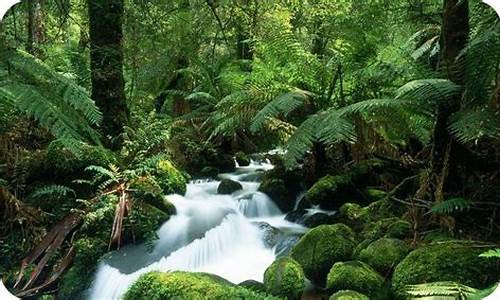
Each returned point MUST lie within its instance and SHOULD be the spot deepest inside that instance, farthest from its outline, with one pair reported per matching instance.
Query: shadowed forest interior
(250, 149)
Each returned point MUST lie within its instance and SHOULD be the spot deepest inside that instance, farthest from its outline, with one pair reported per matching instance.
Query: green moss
(357, 276)
(321, 247)
(228, 186)
(353, 215)
(399, 229)
(384, 254)
(348, 295)
(327, 190)
(380, 209)
(377, 229)
(285, 278)
(171, 180)
(446, 261)
(242, 159)
(209, 172)
(79, 277)
(437, 235)
(188, 286)
(374, 194)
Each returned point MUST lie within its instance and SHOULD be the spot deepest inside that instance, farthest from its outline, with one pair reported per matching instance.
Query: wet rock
(296, 216)
(228, 186)
(271, 234)
(318, 219)
(242, 159)
(209, 172)
(285, 244)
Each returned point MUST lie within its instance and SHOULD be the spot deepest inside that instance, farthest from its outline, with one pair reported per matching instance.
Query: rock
(228, 186)
(171, 180)
(276, 190)
(303, 203)
(348, 295)
(437, 236)
(225, 163)
(353, 215)
(356, 276)
(285, 244)
(373, 194)
(456, 261)
(253, 285)
(209, 172)
(330, 192)
(318, 219)
(321, 247)
(285, 278)
(296, 216)
(381, 209)
(271, 234)
(242, 159)
(377, 229)
(384, 254)
(399, 229)
(183, 285)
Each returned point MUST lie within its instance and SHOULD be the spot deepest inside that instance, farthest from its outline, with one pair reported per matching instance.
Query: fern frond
(441, 290)
(302, 140)
(470, 125)
(493, 253)
(53, 190)
(429, 91)
(449, 206)
(284, 104)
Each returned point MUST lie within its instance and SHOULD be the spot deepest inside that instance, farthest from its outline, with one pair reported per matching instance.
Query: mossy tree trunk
(35, 26)
(106, 63)
(454, 36)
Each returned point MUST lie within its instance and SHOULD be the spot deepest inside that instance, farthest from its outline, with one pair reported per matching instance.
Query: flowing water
(226, 235)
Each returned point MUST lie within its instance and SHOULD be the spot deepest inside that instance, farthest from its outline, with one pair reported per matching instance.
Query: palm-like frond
(429, 91)
(470, 125)
(282, 105)
(493, 253)
(449, 206)
(441, 290)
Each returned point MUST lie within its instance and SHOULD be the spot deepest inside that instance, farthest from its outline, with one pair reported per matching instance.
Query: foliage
(451, 205)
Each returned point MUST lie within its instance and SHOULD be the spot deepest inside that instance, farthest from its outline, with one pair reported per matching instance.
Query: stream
(233, 236)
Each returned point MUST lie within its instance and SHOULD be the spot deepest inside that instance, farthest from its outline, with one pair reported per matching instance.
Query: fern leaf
(493, 253)
(449, 206)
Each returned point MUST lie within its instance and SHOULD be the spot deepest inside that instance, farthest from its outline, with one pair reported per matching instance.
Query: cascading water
(218, 234)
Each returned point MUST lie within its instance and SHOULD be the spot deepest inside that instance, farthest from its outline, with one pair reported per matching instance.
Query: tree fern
(493, 253)
(53, 191)
(54, 100)
(471, 125)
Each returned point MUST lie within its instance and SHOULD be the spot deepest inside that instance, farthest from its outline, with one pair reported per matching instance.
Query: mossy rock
(209, 172)
(384, 254)
(374, 194)
(242, 159)
(282, 185)
(183, 285)
(381, 209)
(353, 215)
(171, 180)
(321, 247)
(253, 285)
(228, 186)
(361, 246)
(225, 163)
(357, 276)
(348, 295)
(437, 236)
(276, 189)
(456, 261)
(400, 229)
(377, 229)
(285, 278)
(331, 192)
(318, 219)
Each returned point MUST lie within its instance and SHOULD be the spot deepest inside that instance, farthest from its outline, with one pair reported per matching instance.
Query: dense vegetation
(387, 111)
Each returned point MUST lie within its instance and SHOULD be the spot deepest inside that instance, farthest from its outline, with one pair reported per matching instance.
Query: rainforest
(250, 149)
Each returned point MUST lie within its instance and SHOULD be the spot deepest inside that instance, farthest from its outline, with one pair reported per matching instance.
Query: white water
(210, 233)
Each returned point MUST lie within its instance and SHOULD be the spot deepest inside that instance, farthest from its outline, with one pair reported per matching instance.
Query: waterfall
(210, 233)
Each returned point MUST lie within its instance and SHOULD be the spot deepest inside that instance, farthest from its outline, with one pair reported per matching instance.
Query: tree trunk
(36, 31)
(454, 35)
(106, 64)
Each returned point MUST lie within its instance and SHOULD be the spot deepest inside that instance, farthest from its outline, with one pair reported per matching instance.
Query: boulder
(356, 276)
(228, 186)
(321, 247)
(384, 254)
(318, 219)
(242, 159)
(183, 285)
(285, 278)
(253, 285)
(209, 172)
(330, 192)
(275, 188)
(456, 261)
(348, 295)
(400, 229)
(353, 215)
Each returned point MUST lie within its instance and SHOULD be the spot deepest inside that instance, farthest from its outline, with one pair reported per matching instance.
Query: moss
(242, 159)
(276, 189)
(332, 191)
(377, 229)
(348, 295)
(253, 285)
(209, 172)
(384, 254)
(357, 276)
(380, 209)
(374, 194)
(285, 278)
(171, 180)
(446, 261)
(361, 246)
(321, 247)
(353, 215)
(228, 186)
(399, 229)
(183, 285)
(79, 277)
(436, 236)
